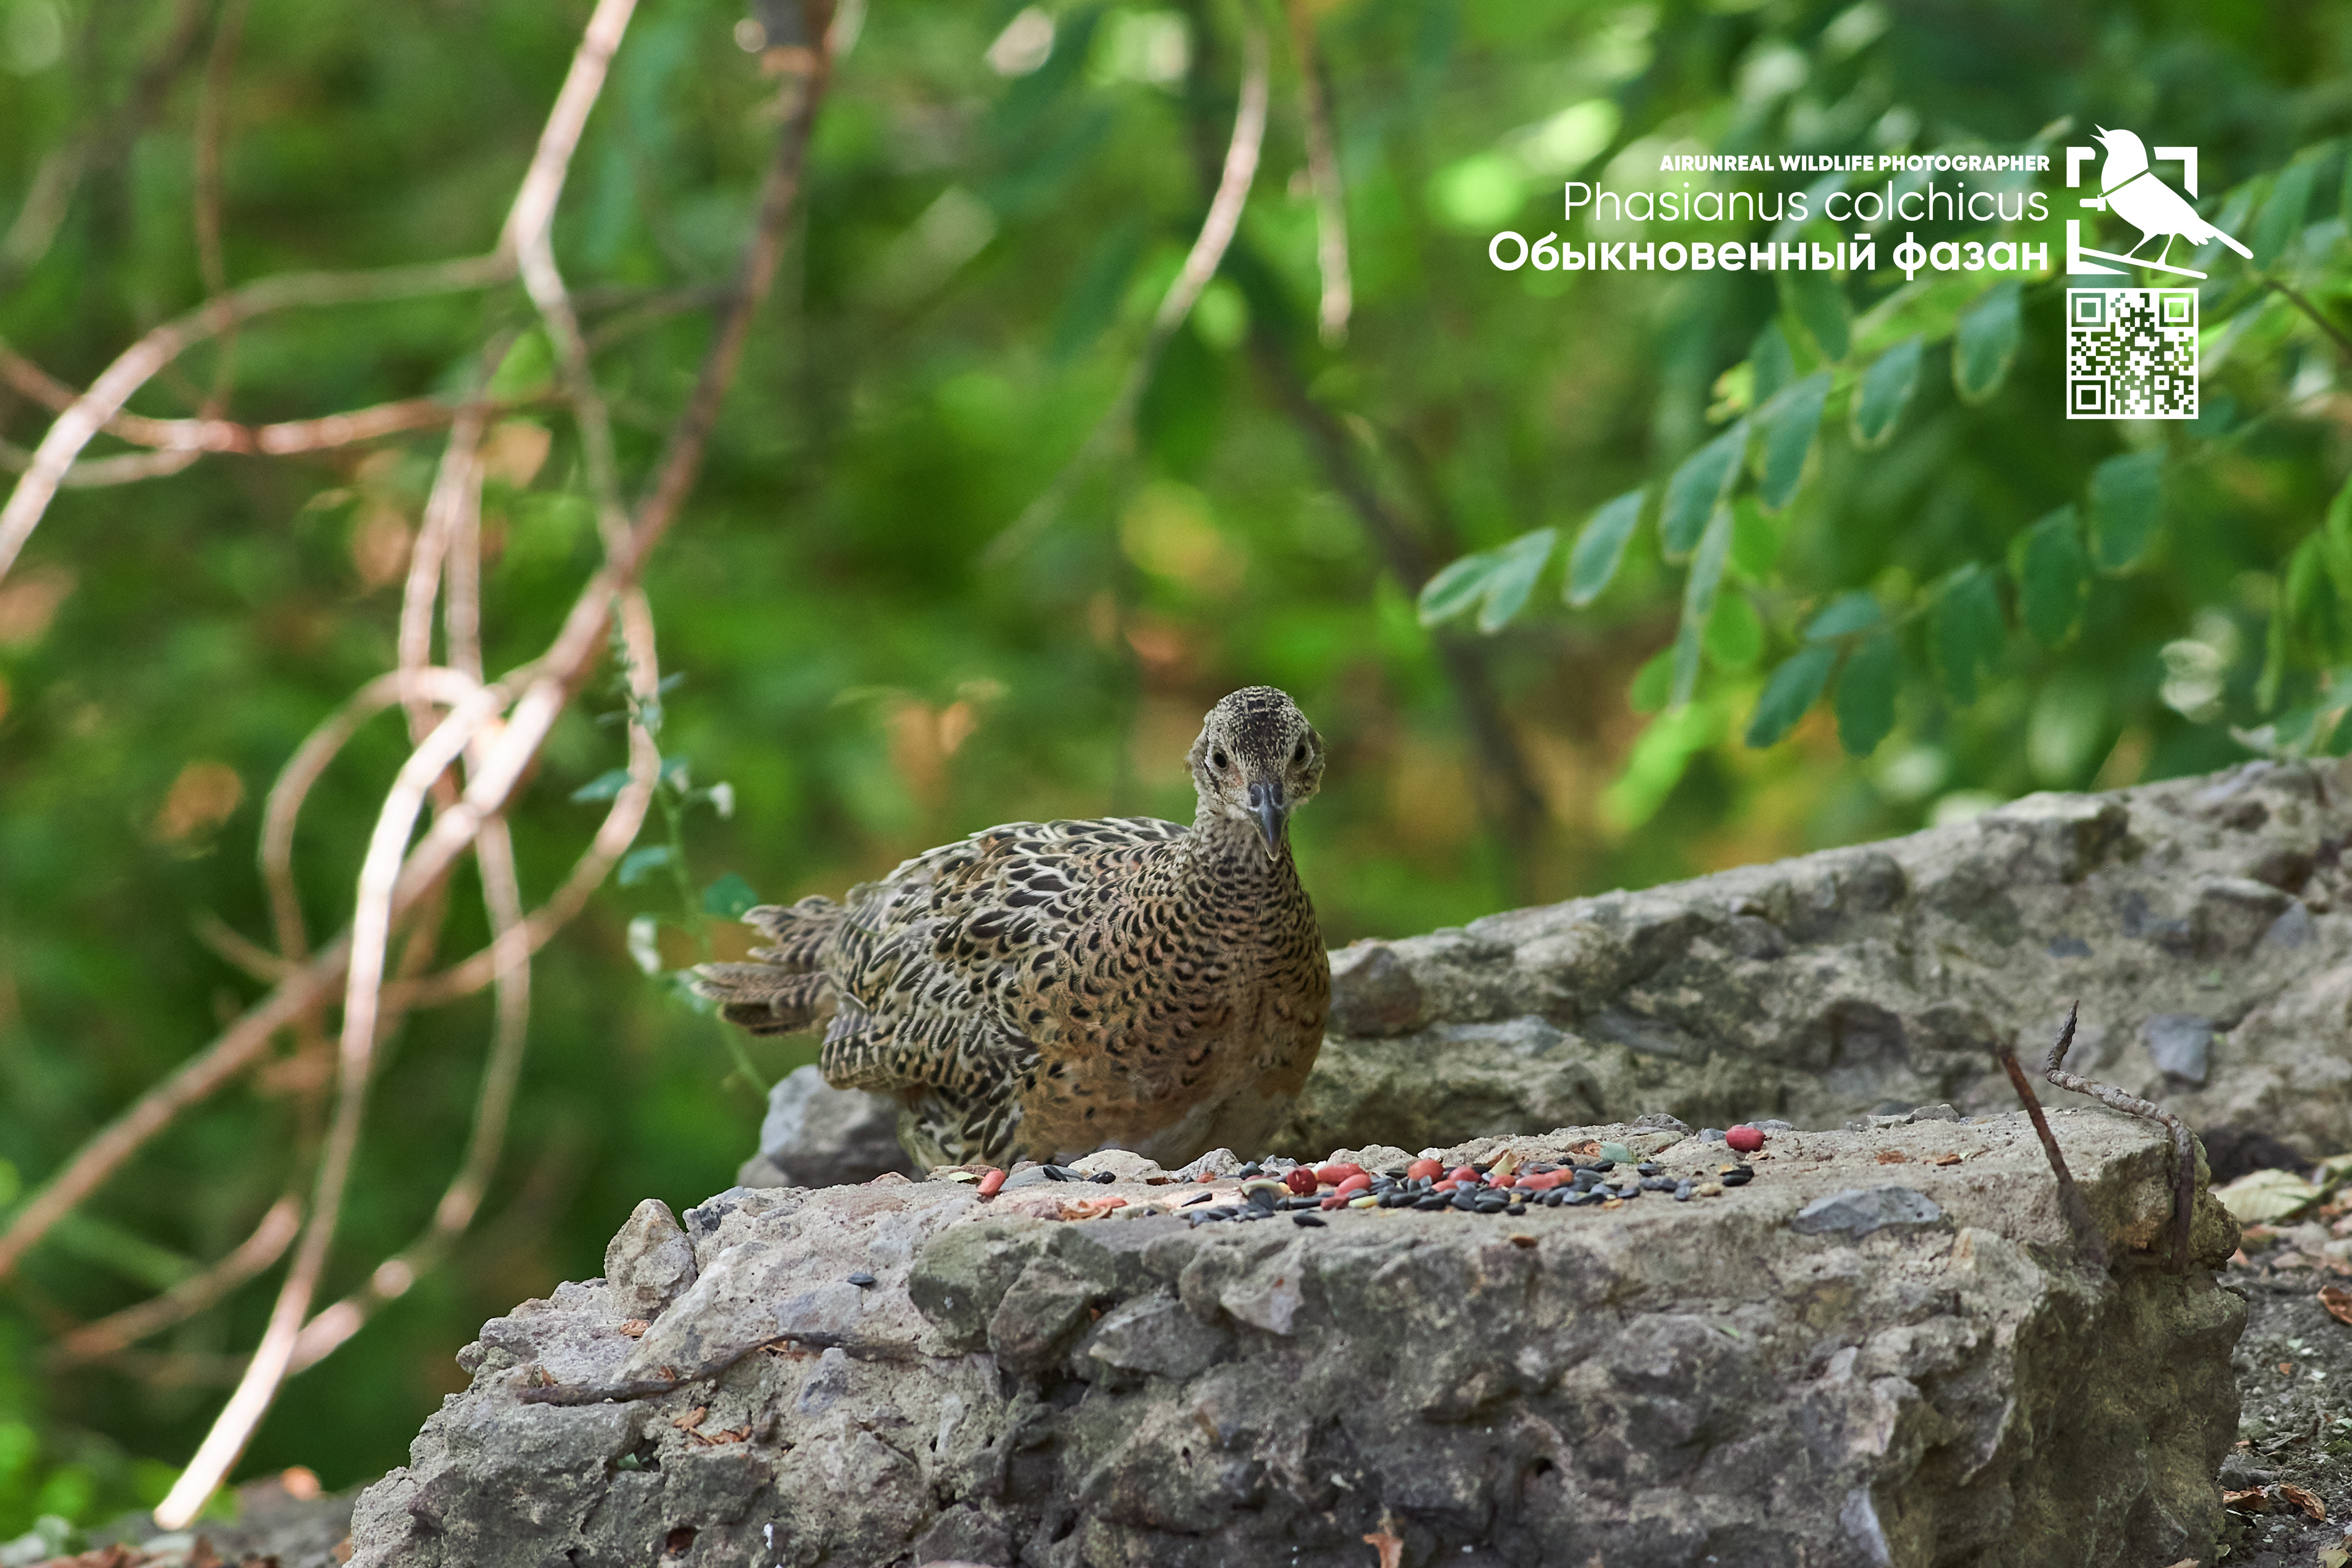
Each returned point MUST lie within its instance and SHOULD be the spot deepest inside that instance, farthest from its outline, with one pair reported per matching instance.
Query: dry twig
(2071, 1201)
(2184, 1147)
(1323, 170)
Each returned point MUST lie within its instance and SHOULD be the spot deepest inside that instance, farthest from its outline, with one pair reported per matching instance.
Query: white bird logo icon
(2131, 190)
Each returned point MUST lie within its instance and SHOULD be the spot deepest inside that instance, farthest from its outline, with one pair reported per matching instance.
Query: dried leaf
(1893, 1157)
(2253, 1500)
(1945, 1160)
(2304, 1498)
(636, 1328)
(692, 1419)
(2339, 1302)
(2286, 1369)
(1389, 1544)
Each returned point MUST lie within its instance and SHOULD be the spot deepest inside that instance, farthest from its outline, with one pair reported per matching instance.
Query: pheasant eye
(1300, 755)
(1217, 758)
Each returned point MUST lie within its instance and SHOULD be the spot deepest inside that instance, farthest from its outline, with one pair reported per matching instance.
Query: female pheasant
(1043, 990)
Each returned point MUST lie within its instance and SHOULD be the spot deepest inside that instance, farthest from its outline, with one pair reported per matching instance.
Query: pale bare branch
(1323, 172)
(137, 364)
(371, 936)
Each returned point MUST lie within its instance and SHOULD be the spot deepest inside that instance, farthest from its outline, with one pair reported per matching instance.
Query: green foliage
(1885, 391)
(1984, 344)
(1600, 547)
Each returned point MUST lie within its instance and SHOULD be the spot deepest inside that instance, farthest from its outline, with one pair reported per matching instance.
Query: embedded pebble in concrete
(1524, 1364)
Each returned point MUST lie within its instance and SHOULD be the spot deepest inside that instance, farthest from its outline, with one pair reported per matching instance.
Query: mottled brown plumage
(1043, 990)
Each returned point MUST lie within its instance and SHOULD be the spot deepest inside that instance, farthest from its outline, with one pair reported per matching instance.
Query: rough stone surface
(816, 1135)
(2202, 922)
(1660, 1383)
(650, 1261)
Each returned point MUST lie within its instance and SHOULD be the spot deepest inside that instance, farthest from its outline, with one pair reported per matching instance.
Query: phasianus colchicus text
(1046, 989)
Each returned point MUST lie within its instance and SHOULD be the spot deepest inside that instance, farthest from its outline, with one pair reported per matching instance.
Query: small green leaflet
(1735, 635)
(1652, 682)
(1789, 693)
(1788, 423)
(1770, 361)
(604, 786)
(1848, 612)
(2053, 576)
(1967, 630)
(1754, 538)
(2282, 215)
(1884, 392)
(728, 897)
(1985, 343)
(1516, 567)
(1457, 585)
(642, 862)
(1819, 304)
(1866, 695)
(1698, 602)
(1695, 488)
(1498, 580)
(1600, 548)
(2126, 495)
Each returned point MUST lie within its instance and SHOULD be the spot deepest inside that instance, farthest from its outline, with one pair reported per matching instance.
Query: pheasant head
(1256, 762)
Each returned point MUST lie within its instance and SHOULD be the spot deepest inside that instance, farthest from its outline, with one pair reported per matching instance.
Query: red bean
(1421, 1168)
(990, 1182)
(1331, 1176)
(1543, 1182)
(1333, 1201)
(1744, 1139)
(1464, 1173)
(1300, 1181)
(1356, 1184)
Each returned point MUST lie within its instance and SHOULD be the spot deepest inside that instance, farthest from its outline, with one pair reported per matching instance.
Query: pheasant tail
(786, 990)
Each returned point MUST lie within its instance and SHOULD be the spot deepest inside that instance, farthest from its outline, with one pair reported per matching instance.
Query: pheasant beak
(1266, 805)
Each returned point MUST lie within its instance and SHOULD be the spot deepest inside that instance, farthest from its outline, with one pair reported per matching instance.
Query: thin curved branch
(1323, 170)
(265, 1247)
(371, 936)
(138, 365)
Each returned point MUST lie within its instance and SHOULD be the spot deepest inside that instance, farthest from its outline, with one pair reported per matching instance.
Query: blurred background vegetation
(999, 197)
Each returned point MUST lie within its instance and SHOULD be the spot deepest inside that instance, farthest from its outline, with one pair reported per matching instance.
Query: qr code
(2131, 353)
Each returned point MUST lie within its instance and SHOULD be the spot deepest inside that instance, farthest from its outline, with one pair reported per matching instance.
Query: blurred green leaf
(1791, 690)
(1818, 303)
(1735, 635)
(1848, 612)
(1600, 547)
(2282, 215)
(1985, 343)
(1455, 587)
(1754, 538)
(1789, 424)
(1698, 600)
(1866, 695)
(728, 897)
(641, 863)
(604, 786)
(1697, 486)
(528, 369)
(2126, 499)
(1652, 683)
(2053, 578)
(1516, 566)
(1771, 365)
(1968, 631)
(1884, 391)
